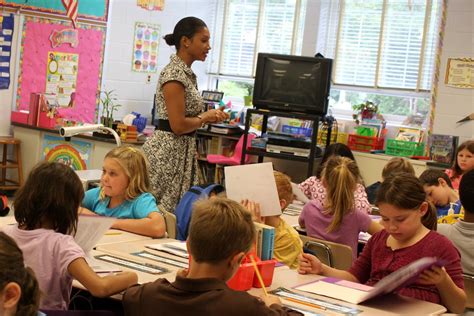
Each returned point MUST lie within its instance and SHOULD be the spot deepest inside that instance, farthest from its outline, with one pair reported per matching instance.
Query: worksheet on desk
(90, 229)
(256, 183)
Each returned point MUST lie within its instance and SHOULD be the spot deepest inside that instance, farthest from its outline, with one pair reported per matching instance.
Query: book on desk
(357, 293)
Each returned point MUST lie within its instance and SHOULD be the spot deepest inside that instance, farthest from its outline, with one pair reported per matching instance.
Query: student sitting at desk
(440, 192)
(46, 212)
(313, 187)
(394, 165)
(337, 218)
(19, 290)
(220, 234)
(288, 245)
(405, 215)
(461, 233)
(123, 193)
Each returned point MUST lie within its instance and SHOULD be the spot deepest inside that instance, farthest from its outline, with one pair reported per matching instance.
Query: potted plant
(108, 101)
(366, 110)
(248, 97)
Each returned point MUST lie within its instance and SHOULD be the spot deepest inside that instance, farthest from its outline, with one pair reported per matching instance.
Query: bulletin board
(90, 9)
(34, 55)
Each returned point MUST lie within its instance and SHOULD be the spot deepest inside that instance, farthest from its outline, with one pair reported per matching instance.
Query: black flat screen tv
(291, 83)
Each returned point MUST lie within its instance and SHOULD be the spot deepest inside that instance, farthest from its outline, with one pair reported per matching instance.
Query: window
(249, 27)
(384, 50)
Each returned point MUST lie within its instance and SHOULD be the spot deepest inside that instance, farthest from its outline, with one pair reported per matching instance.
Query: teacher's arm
(174, 95)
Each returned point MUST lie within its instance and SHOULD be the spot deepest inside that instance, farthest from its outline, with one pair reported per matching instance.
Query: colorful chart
(145, 47)
(73, 153)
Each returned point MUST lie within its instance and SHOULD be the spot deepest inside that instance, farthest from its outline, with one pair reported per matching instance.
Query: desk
(7, 220)
(283, 277)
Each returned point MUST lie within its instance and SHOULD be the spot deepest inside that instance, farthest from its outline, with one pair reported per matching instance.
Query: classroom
(332, 140)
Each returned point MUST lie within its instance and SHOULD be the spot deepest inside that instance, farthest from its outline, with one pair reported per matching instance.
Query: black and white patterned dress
(172, 158)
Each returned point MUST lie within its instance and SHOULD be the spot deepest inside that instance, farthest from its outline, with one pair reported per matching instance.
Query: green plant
(366, 110)
(108, 101)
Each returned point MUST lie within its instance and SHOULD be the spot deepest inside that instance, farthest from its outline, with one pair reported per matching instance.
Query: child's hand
(309, 264)
(254, 209)
(435, 275)
(182, 273)
(270, 299)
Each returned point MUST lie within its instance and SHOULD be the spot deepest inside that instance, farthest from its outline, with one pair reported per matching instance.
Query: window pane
(277, 26)
(239, 37)
(402, 44)
(356, 55)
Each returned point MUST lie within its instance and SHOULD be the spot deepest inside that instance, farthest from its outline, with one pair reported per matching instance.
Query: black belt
(164, 125)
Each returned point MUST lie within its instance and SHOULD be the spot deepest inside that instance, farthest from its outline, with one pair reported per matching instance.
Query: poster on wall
(6, 36)
(61, 77)
(152, 5)
(35, 67)
(145, 47)
(90, 9)
(460, 73)
(75, 153)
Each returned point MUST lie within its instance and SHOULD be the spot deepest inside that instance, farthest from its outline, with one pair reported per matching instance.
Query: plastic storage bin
(404, 149)
(365, 143)
(243, 278)
(266, 269)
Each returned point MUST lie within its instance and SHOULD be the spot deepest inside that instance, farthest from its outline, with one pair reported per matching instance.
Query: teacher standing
(171, 150)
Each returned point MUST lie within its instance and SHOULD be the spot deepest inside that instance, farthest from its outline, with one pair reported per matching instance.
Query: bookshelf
(213, 143)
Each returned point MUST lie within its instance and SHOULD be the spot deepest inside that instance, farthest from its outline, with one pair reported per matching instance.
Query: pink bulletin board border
(33, 64)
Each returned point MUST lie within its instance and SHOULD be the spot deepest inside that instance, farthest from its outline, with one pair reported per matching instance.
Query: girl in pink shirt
(463, 163)
(46, 209)
(408, 220)
(338, 218)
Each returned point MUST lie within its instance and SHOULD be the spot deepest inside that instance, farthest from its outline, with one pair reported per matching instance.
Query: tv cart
(261, 154)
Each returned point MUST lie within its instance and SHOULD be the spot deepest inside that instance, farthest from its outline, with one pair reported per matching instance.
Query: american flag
(71, 9)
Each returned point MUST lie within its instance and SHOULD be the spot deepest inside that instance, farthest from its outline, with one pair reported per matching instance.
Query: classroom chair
(235, 158)
(170, 221)
(8, 183)
(469, 288)
(333, 254)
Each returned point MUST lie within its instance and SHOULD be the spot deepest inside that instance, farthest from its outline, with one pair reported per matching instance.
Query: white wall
(455, 103)
(132, 88)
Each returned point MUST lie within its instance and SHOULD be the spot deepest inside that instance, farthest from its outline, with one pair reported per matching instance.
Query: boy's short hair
(219, 229)
(430, 177)
(397, 165)
(283, 184)
(466, 191)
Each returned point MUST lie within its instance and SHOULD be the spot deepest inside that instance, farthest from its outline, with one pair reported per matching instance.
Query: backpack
(184, 209)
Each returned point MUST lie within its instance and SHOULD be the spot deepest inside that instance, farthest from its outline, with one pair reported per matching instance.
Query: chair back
(240, 145)
(170, 221)
(333, 254)
(469, 288)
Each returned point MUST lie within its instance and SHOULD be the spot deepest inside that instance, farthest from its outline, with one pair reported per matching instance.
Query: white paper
(299, 195)
(254, 182)
(176, 248)
(90, 230)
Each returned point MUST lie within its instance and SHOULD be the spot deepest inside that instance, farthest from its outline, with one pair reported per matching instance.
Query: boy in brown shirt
(221, 233)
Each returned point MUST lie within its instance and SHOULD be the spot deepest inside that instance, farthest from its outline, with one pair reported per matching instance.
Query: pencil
(304, 303)
(259, 277)
(113, 233)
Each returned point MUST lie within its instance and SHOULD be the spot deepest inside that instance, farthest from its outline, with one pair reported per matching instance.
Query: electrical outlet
(148, 79)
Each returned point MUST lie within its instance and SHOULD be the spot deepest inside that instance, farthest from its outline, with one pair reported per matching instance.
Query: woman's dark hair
(14, 270)
(469, 145)
(51, 195)
(187, 26)
(405, 191)
(336, 149)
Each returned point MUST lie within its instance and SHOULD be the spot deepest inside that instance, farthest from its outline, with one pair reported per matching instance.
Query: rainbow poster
(74, 153)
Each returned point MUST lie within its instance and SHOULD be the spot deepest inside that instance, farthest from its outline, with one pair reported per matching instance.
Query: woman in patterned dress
(171, 151)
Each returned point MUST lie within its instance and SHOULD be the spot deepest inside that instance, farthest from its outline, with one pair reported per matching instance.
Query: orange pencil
(259, 277)
(304, 303)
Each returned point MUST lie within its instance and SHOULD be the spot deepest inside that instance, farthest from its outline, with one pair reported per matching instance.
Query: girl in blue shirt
(124, 193)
